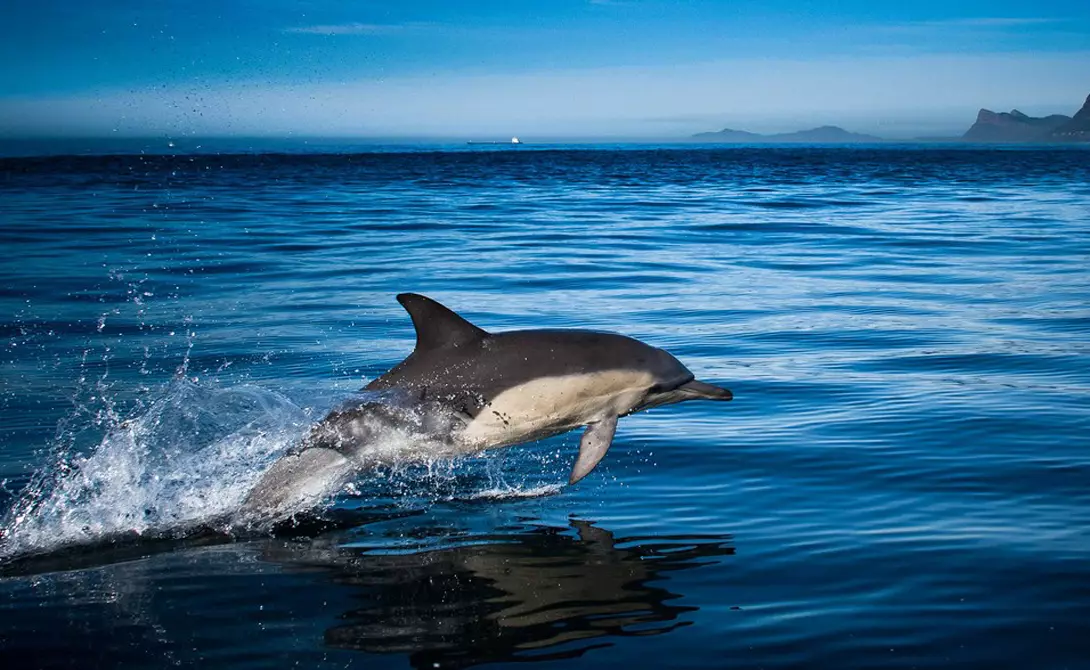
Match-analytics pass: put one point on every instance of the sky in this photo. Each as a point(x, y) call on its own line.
point(654, 69)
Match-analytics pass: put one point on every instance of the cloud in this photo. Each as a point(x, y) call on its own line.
point(349, 29)
point(987, 22)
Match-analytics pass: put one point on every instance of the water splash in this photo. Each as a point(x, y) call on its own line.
point(186, 460)
point(183, 461)
point(514, 492)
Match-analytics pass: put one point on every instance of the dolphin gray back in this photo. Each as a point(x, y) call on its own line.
point(457, 362)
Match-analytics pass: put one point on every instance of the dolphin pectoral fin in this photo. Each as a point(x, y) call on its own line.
point(696, 390)
point(593, 447)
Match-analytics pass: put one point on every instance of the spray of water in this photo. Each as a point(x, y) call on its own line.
point(185, 460)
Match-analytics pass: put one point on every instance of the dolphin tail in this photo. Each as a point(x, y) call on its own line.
point(696, 390)
point(294, 483)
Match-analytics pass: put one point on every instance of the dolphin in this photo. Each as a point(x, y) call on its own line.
point(464, 390)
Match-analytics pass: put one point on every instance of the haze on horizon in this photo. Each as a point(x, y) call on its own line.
point(649, 69)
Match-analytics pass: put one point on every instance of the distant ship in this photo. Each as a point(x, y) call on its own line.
point(514, 140)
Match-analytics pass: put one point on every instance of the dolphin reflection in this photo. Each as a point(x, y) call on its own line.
point(541, 595)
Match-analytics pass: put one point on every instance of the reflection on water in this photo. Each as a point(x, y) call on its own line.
point(545, 594)
point(533, 593)
point(905, 466)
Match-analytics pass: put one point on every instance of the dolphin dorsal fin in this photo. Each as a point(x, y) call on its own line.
point(436, 325)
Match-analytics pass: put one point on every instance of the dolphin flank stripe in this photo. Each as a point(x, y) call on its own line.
point(466, 390)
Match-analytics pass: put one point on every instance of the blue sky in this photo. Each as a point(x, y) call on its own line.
point(573, 68)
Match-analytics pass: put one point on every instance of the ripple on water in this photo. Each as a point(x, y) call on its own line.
point(899, 482)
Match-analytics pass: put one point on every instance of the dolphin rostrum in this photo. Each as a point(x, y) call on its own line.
point(464, 390)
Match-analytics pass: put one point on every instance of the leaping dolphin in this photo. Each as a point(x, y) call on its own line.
point(464, 390)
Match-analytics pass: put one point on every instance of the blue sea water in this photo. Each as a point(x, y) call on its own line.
point(902, 479)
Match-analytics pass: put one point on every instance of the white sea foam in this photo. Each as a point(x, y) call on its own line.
point(515, 492)
point(186, 460)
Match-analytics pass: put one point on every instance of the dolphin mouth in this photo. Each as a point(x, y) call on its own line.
point(698, 390)
point(691, 390)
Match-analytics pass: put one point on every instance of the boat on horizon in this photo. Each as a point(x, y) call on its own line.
point(514, 140)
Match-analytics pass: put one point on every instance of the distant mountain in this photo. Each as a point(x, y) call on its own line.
point(1013, 126)
point(824, 134)
point(728, 135)
point(821, 135)
point(1077, 128)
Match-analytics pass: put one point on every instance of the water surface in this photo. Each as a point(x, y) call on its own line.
point(902, 480)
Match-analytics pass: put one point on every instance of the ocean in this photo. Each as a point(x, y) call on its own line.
point(901, 481)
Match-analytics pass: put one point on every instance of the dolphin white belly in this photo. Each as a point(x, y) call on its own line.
point(551, 405)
